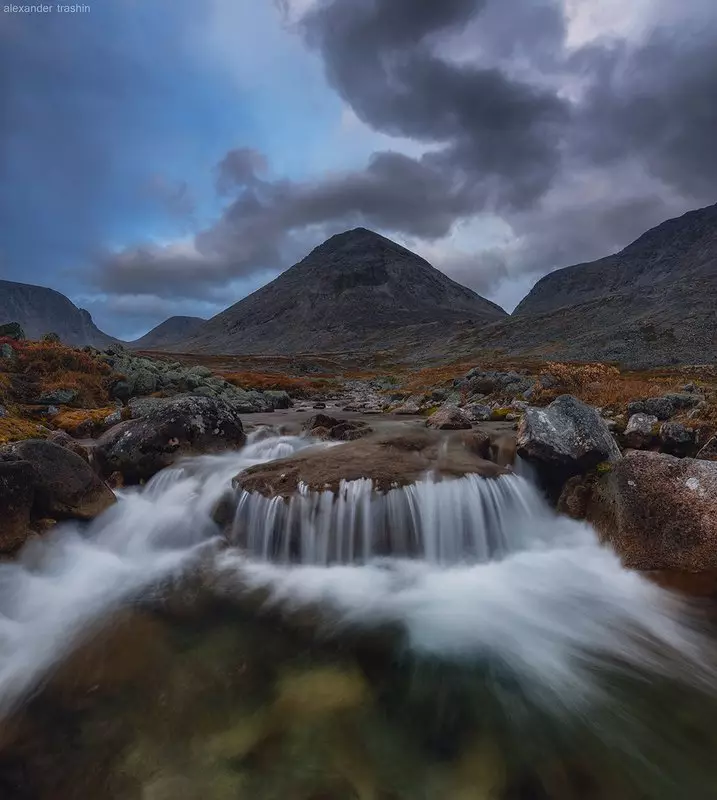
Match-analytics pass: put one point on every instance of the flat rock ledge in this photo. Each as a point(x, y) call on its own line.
point(389, 460)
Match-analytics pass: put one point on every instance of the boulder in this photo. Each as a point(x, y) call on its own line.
point(59, 397)
point(142, 382)
point(639, 431)
point(139, 448)
point(709, 451)
point(321, 421)
point(388, 460)
point(676, 439)
point(278, 399)
point(65, 440)
point(409, 408)
point(575, 496)
point(478, 412)
point(568, 435)
point(449, 418)
point(658, 511)
point(65, 486)
point(322, 426)
point(16, 496)
point(12, 330)
point(665, 406)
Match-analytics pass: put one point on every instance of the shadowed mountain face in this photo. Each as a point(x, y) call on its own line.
point(169, 332)
point(40, 310)
point(652, 303)
point(356, 290)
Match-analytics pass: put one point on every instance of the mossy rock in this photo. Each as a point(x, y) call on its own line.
point(12, 330)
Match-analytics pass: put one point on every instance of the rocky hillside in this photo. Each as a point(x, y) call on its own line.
point(652, 303)
point(356, 290)
point(40, 310)
point(169, 332)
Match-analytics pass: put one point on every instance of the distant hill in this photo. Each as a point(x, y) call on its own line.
point(40, 310)
point(169, 332)
point(358, 290)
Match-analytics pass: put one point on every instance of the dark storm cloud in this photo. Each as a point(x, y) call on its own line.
point(577, 151)
point(381, 56)
point(657, 103)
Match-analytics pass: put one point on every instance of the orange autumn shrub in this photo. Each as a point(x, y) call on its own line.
point(598, 384)
point(52, 365)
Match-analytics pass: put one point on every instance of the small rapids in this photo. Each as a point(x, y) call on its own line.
point(353, 642)
point(442, 522)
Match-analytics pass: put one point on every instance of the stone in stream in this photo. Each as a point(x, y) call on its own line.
point(390, 461)
point(568, 435)
point(449, 418)
point(658, 512)
point(139, 448)
point(64, 485)
point(322, 426)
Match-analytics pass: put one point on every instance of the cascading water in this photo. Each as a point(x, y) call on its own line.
point(495, 581)
point(441, 521)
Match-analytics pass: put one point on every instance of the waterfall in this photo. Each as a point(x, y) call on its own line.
point(441, 521)
point(500, 575)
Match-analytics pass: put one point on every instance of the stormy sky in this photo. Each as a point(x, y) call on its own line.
point(163, 157)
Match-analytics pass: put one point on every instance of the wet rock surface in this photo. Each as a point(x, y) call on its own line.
point(63, 484)
point(138, 448)
point(388, 460)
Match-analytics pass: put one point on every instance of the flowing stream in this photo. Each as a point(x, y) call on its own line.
point(450, 639)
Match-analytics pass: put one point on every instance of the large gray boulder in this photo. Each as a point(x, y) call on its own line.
point(64, 485)
point(139, 448)
point(568, 435)
point(659, 512)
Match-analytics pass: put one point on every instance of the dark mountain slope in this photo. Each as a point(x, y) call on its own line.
point(40, 310)
point(653, 303)
point(358, 289)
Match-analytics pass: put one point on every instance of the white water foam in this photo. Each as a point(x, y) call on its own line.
point(441, 521)
point(553, 607)
point(75, 575)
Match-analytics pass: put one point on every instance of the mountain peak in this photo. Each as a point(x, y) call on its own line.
point(357, 289)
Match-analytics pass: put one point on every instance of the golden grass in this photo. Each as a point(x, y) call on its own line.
point(15, 429)
point(264, 381)
point(600, 384)
point(85, 422)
